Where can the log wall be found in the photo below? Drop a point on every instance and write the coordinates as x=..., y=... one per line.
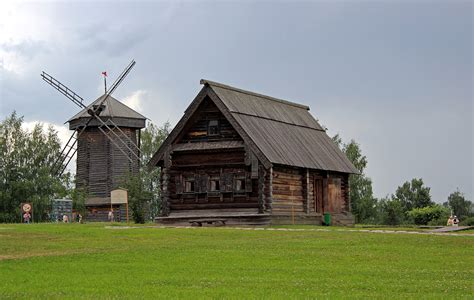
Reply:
x=101, y=166
x=200, y=167
x=287, y=191
x=301, y=191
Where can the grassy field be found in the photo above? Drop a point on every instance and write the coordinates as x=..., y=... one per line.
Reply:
x=92, y=261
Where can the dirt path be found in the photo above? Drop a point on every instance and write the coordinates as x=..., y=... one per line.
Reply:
x=452, y=228
x=441, y=233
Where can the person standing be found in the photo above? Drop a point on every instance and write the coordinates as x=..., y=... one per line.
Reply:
x=455, y=221
x=111, y=215
x=26, y=217
x=450, y=221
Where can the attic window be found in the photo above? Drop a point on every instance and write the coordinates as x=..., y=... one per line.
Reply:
x=213, y=127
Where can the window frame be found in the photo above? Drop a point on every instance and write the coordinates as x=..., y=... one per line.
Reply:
x=242, y=179
x=217, y=180
x=213, y=124
x=192, y=180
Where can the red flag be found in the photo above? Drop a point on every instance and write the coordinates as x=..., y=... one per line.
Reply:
x=104, y=73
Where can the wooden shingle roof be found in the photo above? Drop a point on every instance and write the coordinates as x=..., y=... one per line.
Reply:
x=113, y=108
x=280, y=131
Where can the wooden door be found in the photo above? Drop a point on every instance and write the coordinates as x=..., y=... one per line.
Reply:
x=318, y=195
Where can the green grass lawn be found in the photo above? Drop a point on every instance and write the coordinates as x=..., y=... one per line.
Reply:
x=90, y=261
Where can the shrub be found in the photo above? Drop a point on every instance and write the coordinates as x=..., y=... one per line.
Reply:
x=430, y=214
x=467, y=222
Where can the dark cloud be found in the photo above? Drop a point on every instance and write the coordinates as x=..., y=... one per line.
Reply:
x=397, y=76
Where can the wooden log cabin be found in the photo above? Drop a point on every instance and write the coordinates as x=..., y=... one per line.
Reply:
x=247, y=158
x=101, y=165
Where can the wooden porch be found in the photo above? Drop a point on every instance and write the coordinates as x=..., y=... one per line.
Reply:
x=231, y=217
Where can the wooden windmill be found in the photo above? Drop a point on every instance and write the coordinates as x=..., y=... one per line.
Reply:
x=106, y=138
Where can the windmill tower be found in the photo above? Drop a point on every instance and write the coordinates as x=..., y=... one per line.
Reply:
x=106, y=139
x=101, y=165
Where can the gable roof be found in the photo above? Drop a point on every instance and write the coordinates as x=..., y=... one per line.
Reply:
x=277, y=131
x=113, y=108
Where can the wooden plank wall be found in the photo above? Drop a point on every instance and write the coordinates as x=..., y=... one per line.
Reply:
x=101, y=166
x=315, y=199
x=338, y=193
x=287, y=191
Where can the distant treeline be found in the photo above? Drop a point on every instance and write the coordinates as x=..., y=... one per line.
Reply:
x=26, y=159
x=410, y=204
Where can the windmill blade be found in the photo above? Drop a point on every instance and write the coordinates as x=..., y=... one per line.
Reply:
x=67, y=153
x=121, y=141
x=75, y=98
x=121, y=77
x=116, y=135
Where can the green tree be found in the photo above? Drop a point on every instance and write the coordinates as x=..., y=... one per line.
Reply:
x=26, y=159
x=144, y=189
x=391, y=211
x=459, y=205
x=363, y=203
x=413, y=195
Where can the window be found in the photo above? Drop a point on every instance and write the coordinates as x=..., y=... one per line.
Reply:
x=189, y=185
x=240, y=184
x=214, y=184
x=213, y=127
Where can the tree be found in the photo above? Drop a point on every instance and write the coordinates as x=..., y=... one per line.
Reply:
x=391, y=211
x=26, y=159
x=413, y=195
x=363, y=203
x=461, y=207
x=144, y=189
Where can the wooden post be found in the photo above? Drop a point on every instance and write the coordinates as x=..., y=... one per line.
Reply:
x=325, y=192
x=269, y=198
x=126, y=207
x=292, y=212
x=261, y=190
x=306, y=191
x=165, y=210
x=348, y=192
x=165, y=205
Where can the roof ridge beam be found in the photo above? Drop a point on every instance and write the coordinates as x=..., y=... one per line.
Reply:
x=228, y=87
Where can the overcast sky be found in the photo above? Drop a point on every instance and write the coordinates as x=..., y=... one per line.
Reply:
x=396, y=76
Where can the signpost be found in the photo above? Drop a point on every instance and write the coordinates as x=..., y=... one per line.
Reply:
x=119, y=196
x=26, y=207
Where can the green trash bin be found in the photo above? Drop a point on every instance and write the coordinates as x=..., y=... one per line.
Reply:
x=327, y=219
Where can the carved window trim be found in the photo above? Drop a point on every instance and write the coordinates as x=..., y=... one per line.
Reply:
x=189, y=184
x=240, y=183
x=214, y=184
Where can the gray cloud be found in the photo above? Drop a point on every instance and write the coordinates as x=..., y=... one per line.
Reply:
x=397, y=77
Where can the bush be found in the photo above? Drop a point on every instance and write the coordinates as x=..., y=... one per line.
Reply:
x=434, y=214
x=391, y=212
x=467, y=222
